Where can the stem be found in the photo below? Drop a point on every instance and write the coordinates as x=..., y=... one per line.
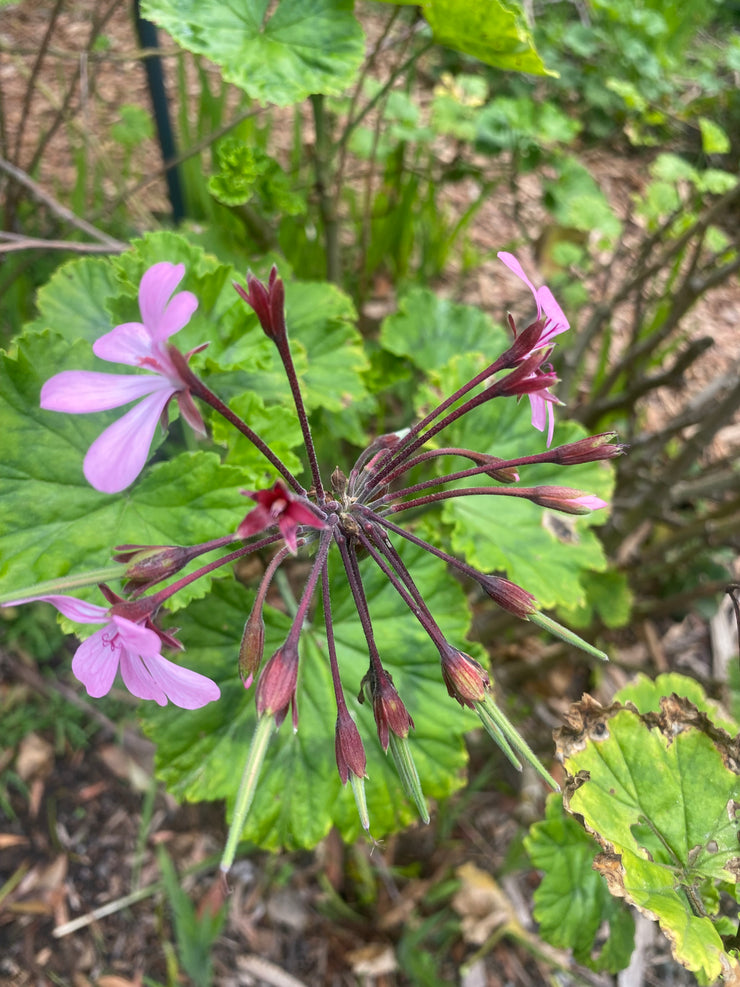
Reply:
x=408, y=593
x=199, y=389
x=322, y=157
x=352, y=569
x=156, y=599
x=247, y=788
x=318, y=564
x=523, y=492
x=513, y=383
x=51, y=586
x=295, y=388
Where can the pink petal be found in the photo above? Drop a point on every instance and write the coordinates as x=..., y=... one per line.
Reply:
x=513, y=264
x=135, y=637
x=539, y=411
x=590, y=501
x=116, y=457
x=128, y=343
x=556, y=320
x=176, y=315
x=184, y=687
x=96, y=661
x=288, y=530
x=258, y=519
x=138, y=680
x=70, y=606
x=157, y=284
x=81, y=391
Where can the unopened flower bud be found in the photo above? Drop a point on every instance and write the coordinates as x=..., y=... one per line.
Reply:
x=147, y=565
x=566, y=500
x=267, y=302
x=508, y=595
x=348, y=746
x=466, y=679
x=391, y=716
x=589, y=450
x=277, y=683
x=252, y=645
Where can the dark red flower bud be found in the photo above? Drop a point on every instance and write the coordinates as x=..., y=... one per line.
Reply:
x=267, y=302
x=508, y=595
x=391, y=716
x=277, y=683
x=348, y=746
x=466, y=679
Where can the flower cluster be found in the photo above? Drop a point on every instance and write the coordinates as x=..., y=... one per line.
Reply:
x=351, y=515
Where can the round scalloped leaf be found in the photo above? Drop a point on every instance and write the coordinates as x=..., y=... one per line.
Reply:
x=278, y=53
x=200, y=754
x=660, y=793
x=572, y=901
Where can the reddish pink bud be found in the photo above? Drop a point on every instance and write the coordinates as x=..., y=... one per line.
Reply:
x=277, y=683
x=252, y=646
x=566, y=500
x=149, y=564
x=348, y=746
x=391, y=716
x=267, y=302
x=466, y=679
x=508, y=595
x=589, y=450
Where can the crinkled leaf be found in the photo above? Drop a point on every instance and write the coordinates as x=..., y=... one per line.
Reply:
x=646, y=694
x=660, y=793
x=300, y=796
x=80, y=287
x=545, y=552
x=279, y=54
x=276, y=426
x=572, y=900
x=430, y=330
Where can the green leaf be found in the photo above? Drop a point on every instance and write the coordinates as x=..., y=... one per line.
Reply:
x=714, y=140
x=659, y=792
x=300, y=796
x=646, y=694
x=80, y=287
x=430, y=330
x=572, y=901
x=608, y=595
x=545, y=552
x=282, y=56
x=492, y=31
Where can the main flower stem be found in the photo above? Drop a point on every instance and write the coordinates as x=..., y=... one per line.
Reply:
x=200, y=390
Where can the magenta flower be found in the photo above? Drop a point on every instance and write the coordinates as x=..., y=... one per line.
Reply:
x=134, y=648
x=555, y=323
x=118, y=455
x=277, y=507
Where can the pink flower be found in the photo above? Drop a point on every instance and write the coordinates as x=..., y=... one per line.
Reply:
x=555, y=323
x=277, y=507
x=118, y=455
x=132, y=646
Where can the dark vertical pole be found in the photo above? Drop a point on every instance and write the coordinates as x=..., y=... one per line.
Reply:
x=147, y=34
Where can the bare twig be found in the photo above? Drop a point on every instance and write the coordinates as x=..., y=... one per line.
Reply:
x=11, y=242
x=20, y=176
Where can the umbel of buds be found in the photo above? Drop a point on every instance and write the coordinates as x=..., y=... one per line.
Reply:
x=351, y=516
